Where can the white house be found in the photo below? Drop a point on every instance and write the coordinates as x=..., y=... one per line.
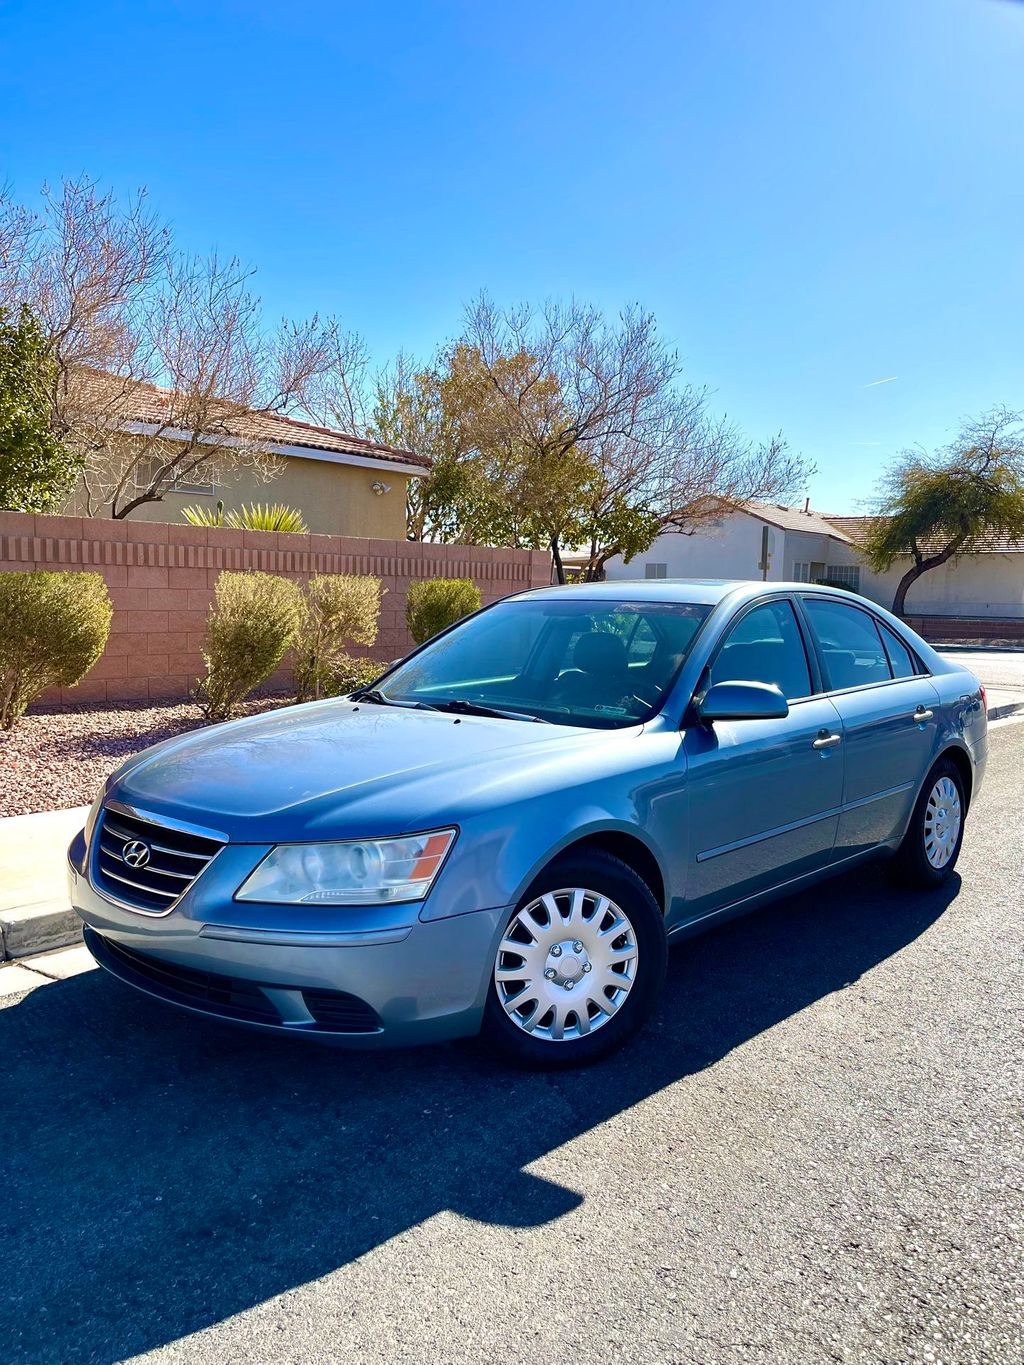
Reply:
x=785, y=544
x=765, y=540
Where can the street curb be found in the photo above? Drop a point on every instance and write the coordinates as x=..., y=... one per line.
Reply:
x=36, y=928
x=977, y=649
x=1001, y=712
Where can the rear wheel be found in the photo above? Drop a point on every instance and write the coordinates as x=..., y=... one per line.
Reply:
x=579, y=966
x=931, y=845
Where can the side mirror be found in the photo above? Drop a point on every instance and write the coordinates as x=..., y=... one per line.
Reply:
x=742, y=701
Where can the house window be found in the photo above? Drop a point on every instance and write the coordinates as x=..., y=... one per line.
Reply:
x=802, y=571
x=145, y=471
x=655, y=571
x=846, y=574
x=207, y=489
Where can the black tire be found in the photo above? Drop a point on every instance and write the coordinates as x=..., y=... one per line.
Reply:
x=911, y=864
x=606, y=876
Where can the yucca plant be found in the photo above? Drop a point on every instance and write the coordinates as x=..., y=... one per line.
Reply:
x=202, y=516
x=267, y=517
x=257, y=517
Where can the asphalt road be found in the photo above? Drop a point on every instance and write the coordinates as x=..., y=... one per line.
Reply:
x=813, y=1156
x=995, y=667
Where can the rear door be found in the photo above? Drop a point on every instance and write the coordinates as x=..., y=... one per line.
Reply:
x=888, y=708
x=764, y=794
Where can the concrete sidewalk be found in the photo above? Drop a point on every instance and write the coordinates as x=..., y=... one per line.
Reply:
x=34, y=910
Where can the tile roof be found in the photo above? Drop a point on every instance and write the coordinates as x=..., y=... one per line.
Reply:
x=149, y=403
x=989, y=543
x=794, y=519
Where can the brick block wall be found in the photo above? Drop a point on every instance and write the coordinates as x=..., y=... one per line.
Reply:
x=161, y=579
x=967, y=629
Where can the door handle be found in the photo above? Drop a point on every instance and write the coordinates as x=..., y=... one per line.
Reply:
x=922, y=714
x=826, y=740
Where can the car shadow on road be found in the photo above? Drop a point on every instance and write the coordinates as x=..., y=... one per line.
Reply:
x=161, y=1173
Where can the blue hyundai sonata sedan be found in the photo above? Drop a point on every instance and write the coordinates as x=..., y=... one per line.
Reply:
x=504, y=834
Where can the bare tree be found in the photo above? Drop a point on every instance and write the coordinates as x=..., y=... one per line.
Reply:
x=408, y=411
x=164, y=370
x=612, y=447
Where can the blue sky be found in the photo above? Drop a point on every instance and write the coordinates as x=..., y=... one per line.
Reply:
x=811, y=196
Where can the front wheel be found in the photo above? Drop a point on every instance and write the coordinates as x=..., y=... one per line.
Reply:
x=932, y=842
x=579, y=966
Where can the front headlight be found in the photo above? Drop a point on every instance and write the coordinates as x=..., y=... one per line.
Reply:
x=356, y=872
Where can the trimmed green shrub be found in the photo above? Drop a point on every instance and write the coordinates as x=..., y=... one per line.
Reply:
x=348, y=672
x=53, y=628
x=252, y=622
x=437, y=603
x=337, y=610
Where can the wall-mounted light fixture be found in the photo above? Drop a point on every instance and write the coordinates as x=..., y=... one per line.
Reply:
x=380, y=488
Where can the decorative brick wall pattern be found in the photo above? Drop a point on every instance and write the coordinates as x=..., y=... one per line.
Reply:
x=161, y=579
x=967, y=629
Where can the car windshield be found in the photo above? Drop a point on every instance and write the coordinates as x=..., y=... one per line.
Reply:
x=601, y=663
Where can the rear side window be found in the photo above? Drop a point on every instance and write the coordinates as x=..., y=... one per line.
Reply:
x=851, y=646
x=903, y=662
x=765, y=646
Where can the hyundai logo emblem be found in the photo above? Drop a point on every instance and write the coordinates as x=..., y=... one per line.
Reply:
x=136, y=853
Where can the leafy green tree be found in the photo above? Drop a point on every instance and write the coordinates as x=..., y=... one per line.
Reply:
x=37, y=471
x=934, y=507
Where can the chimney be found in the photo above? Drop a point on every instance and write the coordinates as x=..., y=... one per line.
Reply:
x=807, y=504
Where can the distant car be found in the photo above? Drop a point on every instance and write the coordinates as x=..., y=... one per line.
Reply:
x=505, y=833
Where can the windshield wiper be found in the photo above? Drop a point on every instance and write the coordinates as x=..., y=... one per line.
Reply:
x=474, y=708
x=373, y=694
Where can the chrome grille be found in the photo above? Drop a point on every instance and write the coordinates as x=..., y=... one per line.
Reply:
x=175, y=859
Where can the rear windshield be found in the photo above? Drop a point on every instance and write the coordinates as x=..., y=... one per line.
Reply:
x=601, y=663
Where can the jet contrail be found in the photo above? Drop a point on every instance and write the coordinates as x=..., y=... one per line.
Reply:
x=875, y=382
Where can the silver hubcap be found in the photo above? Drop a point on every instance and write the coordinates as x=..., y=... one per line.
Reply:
x=566, y=964
x=941, y=822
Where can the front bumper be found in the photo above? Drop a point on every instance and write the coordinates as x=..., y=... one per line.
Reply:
x=389, y=980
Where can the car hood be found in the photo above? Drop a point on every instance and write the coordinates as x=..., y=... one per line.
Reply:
x=292, y=772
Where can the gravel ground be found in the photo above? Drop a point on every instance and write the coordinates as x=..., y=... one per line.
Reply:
x=55, y=759
x=812, y=1157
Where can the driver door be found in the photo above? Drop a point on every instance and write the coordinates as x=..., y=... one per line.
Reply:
x=764, y=794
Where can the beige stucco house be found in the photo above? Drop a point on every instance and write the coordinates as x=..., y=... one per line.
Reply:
x=342, y=484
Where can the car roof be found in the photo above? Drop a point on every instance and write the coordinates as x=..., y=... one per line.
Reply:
x=702, y=591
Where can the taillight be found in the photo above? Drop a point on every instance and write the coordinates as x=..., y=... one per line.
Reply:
x=984, y=698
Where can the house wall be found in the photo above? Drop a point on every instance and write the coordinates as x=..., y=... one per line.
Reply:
x=161, y=579
x=730, y=549
x=983, y=585
x=334, y=499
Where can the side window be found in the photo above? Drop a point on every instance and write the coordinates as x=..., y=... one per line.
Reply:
x=642, y=643
x=850, y=643
x=900, y=657
x=765, y=646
